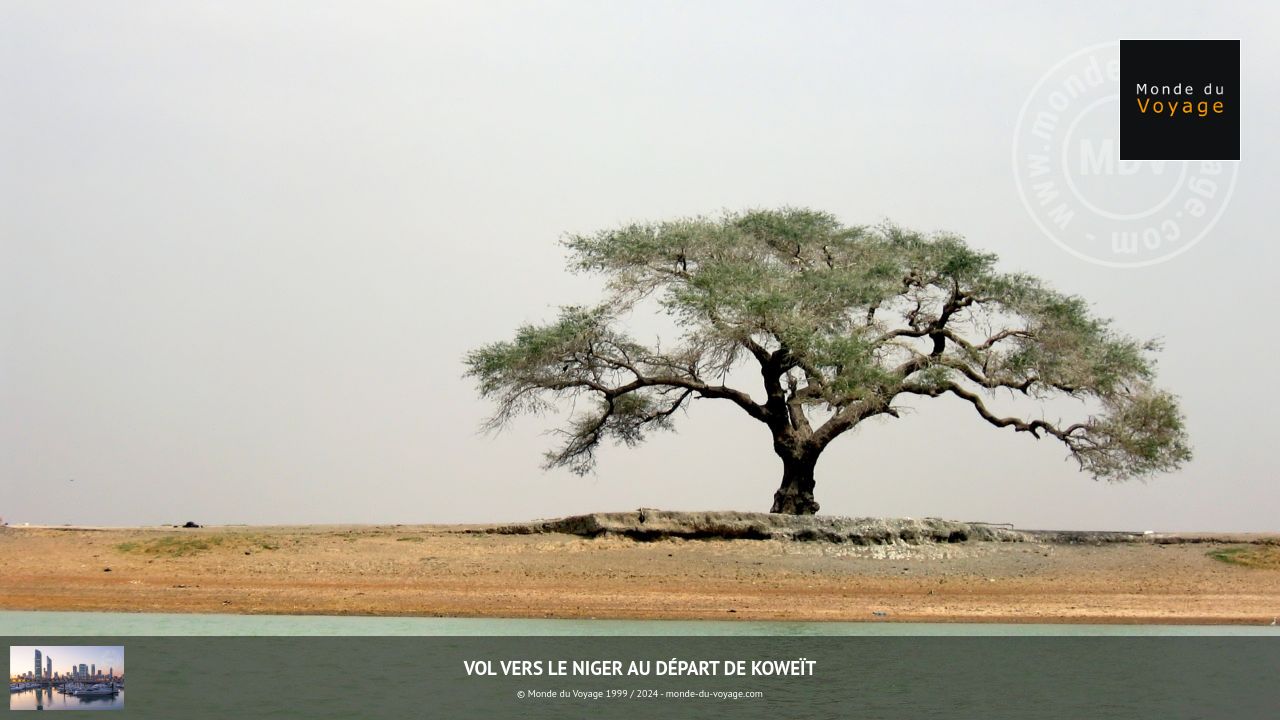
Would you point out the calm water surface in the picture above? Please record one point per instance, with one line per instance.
(19, 623)
(50, 699)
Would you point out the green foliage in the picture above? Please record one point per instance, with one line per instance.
(1250, 556)
(625, 418)
(841, 321)
(1141, 433)
(172, 545)
(182, 545)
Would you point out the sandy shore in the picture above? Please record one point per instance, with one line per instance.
(443, 571)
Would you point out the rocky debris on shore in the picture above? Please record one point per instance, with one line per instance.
(647, 524)
(1089, 537)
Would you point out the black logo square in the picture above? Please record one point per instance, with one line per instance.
(1180, 99)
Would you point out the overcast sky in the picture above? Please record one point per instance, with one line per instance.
(245, 246)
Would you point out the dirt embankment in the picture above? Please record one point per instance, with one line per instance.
(648, 525)
(593, 566)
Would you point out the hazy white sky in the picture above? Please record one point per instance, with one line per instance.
(244, 247)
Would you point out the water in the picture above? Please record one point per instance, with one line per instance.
(50, 699)
(46, 624)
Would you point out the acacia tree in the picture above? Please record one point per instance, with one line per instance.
(842, 323)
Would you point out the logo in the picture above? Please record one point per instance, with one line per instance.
(1096, 203)
(1180, 99)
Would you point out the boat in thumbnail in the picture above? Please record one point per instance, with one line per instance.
(94, 690)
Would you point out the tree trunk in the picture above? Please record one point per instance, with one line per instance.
(795, 496)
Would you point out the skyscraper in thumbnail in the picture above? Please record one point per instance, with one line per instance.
(39, 666)
(48, 668)
(93, 670)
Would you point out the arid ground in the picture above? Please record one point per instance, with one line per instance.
(447, 571)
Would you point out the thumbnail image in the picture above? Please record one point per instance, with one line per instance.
(66, 677)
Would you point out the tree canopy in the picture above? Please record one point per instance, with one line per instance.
(842, 322)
